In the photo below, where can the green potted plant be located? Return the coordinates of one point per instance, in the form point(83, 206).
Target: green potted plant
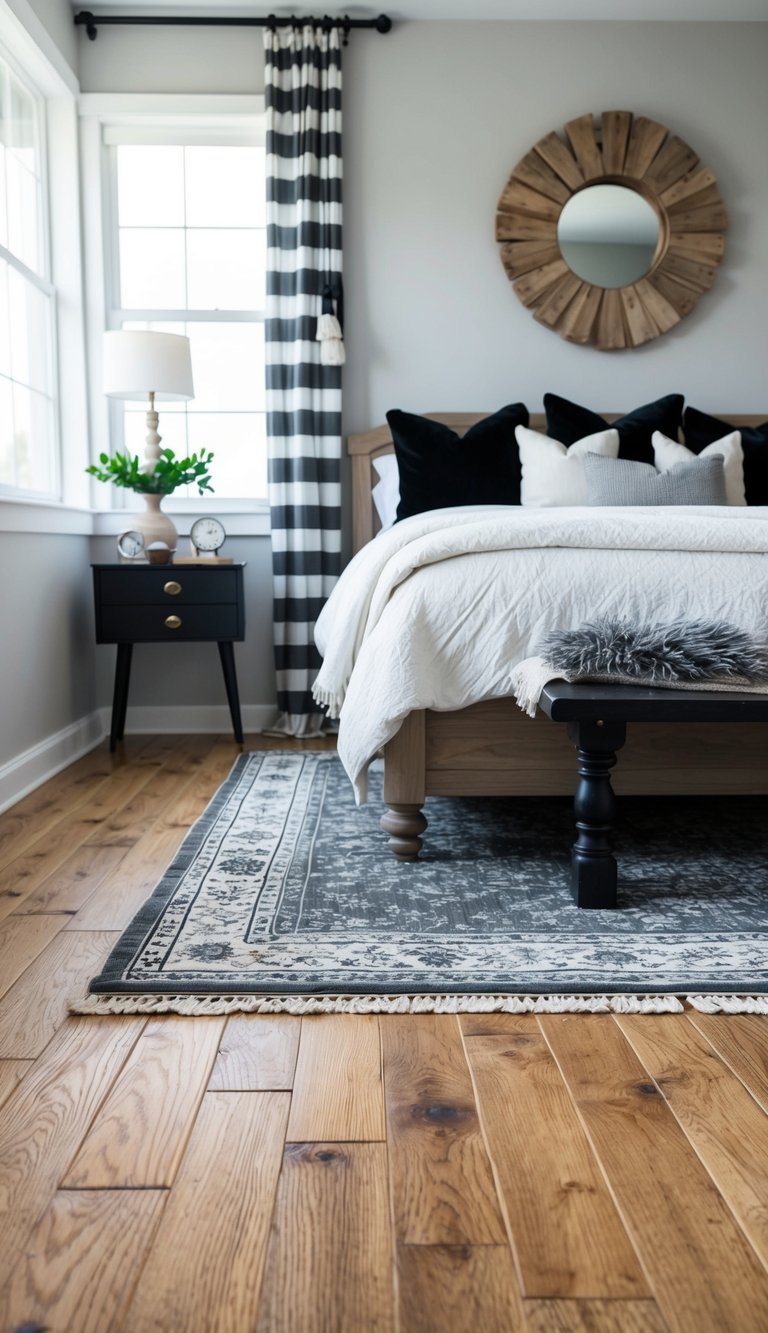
point(153, 480)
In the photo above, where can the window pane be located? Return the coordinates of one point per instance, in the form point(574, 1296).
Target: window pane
point(238, 442)
point(152, 268)
point(225, 270)
point(23, 126)
point(172, 430)
point(3, 198)
point(225, 187)
point(32, 414)
point(150, 186)
point(23, 213)
point(30, 324)
point(228, 365)
point(5, 321)
point(7, 451)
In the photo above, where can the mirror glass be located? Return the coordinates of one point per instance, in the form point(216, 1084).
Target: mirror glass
point(608, 235)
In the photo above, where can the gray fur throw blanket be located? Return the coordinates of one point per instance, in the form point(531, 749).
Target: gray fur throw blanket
point(709, 655)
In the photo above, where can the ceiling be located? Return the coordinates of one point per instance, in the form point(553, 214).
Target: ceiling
point(461, 9)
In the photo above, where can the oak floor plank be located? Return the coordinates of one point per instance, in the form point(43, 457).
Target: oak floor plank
point(726, 1126)
point(337, 1088)
point(563, 1223)
point(129, 821)
point(36, 1005)
point(82, 1260)
point(21, 940)
point(43, 1122)
point(334, 1275)
point(257, 1054)
point(741, 1040)
point(139, 1135)
point(134, 878)
point(35, 815)
point(71, 884)
point(456, 1288)
point(11, 1074)
point(443, 1191)
point(680, 1225)
point(594, 1317)
point(21, 877)
point(204, 1271)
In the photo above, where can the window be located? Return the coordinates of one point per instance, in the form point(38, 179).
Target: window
point(189, 257)
point(28, 416)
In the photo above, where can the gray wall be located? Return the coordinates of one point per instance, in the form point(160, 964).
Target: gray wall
point(57, 17)
point(47, 667)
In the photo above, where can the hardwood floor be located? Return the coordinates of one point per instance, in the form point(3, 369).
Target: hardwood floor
point(340, 1174)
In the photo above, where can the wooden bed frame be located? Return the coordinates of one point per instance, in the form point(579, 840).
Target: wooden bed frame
point(493, 749)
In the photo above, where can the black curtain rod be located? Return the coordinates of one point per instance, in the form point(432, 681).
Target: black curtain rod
point(91, 22)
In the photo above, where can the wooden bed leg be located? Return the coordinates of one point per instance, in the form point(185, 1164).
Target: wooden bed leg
point(404, 823)
point(593, 866)
point(404, 788)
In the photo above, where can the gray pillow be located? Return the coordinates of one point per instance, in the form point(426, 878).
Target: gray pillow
point(617, 481)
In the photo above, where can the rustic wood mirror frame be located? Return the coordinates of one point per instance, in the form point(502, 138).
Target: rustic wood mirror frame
point(614, 148)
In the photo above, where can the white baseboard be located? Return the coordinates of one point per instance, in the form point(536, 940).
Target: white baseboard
point(197, 719)
point(34, 766)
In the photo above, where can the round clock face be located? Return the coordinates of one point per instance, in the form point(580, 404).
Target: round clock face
point(130, 544)
point(207, 534)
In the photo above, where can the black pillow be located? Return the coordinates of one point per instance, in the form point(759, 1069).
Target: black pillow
point(567, 422)
point(700, 430)
point(440, 469)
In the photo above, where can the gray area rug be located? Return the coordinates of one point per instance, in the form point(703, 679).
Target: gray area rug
point(284, 896)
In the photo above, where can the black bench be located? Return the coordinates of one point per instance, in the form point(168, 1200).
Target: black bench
point(597, 717)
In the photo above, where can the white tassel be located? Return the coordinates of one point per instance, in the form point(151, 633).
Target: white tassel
point(332, 351)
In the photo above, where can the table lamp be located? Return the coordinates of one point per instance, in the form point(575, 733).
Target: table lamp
point(141, 365)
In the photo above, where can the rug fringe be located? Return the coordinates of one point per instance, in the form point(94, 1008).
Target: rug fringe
point(376, 1004)
point(729, 1004)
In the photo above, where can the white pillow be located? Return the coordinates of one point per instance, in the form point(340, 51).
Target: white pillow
point(386, 492)
point(666, 453)
point(554, 475)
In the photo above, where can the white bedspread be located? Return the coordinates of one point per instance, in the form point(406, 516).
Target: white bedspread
point(437, 611)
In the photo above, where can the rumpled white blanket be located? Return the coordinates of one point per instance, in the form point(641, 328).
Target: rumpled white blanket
point(437, 611)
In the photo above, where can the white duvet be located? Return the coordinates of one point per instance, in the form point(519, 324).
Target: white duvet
point(437, 611)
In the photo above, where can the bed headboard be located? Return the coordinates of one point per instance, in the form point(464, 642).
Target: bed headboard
point(362, 449)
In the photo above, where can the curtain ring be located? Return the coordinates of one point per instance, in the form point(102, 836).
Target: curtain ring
point(346, 25)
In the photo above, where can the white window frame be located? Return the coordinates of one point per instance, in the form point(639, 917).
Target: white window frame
point(39, 63)
point(42, 281)
point(108, 119)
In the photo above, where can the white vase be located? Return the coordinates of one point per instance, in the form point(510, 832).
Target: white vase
point(154, 525)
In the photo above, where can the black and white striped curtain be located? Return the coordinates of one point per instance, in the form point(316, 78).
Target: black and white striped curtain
point(304, 178)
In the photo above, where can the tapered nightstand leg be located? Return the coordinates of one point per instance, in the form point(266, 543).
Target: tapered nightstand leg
point(120, 697)
point(227, 655)
point(593, 866)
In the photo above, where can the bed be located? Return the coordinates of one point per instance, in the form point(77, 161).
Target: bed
point(490, 748)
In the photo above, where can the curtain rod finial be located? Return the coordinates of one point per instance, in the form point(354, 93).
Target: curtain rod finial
point(383, 23)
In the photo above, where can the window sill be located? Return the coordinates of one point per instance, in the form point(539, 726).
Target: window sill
point(51, 518)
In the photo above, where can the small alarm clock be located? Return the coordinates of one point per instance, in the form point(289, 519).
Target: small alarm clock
point(207, 536)
point(130, 545)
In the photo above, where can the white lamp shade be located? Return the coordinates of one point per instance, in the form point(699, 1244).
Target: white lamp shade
point(137, 363)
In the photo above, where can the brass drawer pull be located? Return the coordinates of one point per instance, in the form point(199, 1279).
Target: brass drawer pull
point(173, 622)
point(172, 588)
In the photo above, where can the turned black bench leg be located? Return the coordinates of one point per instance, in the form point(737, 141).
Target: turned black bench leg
point(593, 867)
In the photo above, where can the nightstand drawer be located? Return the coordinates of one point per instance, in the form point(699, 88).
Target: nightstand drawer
point(153, 623)
point(128, 586)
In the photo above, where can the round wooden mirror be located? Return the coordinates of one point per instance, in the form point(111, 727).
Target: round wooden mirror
point(612, 233)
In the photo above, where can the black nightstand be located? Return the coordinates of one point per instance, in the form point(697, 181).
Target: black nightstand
point(169, 603)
